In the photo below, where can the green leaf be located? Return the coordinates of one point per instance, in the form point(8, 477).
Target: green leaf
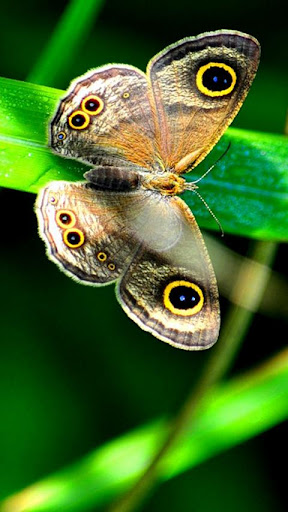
point(71, 30)
point(26, 161)
point(247, 190)
point(231, 413)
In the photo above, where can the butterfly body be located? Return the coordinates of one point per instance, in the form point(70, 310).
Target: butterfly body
point(126, 223)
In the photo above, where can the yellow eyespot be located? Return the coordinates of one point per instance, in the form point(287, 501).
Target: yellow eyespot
point(125, 95)
point(92, 104)
point(183, 298)
point(111, 266)
point(65, 219)
point(61, 136)
point(216, 79)
point(73, 238)
point(101, 256)
point(78, 120)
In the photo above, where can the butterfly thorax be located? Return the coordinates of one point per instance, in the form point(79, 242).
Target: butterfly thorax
point(168, 184)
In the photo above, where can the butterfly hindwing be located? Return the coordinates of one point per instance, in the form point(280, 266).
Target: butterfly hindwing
point(81, 231)
point(172, 293)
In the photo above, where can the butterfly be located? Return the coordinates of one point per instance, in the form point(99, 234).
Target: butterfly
point(141, 133)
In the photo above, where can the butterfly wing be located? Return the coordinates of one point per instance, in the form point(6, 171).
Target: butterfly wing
point(93, 234)
point(199, 84)
point(81, 231)
point(113, 115)
point(100, 237)
point(172, 292)
point(106, 119)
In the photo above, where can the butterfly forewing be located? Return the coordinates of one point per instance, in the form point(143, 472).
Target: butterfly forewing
point(121, 131)
point(198, 85)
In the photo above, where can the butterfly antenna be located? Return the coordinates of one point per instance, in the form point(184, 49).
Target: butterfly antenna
point(213, 165)
point(210, 211)
point(193, 188)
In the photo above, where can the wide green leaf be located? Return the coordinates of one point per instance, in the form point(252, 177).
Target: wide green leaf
point(231, 413)
point(247, 190)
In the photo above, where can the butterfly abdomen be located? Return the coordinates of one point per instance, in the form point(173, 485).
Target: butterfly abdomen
point(113, 178)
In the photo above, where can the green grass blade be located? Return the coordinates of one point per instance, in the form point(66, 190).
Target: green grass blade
point(231, 414)
point(247, 190)
point(26, 161)
point(72, 29)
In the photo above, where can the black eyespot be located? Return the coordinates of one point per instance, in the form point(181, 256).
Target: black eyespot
point(73, 238)
point(183, 298)
point(92, 104)
point(65, 218)
point(216, 79)
point(78, 120)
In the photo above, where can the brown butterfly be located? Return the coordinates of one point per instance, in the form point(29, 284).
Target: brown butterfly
point(125, 223)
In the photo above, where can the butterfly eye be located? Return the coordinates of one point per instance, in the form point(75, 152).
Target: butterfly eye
point(73, 238)
point(78, 120)
point(92, 104)
point(65, 218)
point(183, 298)
point(216, 79)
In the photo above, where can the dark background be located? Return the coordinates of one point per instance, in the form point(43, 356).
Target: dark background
point(74, 371)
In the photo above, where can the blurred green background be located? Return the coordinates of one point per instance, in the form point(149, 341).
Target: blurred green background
point(74, 371)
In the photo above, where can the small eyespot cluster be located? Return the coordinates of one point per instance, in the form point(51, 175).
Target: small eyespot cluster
point(102, 257)
point(72, 236)
point(183, 298)
point(216, 79)
point(80, 118)
point(92, 105)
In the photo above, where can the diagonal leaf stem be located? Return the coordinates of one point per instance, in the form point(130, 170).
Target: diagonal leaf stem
point(70, 32)
point(236, 324)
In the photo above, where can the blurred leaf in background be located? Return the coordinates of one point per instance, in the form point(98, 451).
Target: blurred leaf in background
point(74, 371)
